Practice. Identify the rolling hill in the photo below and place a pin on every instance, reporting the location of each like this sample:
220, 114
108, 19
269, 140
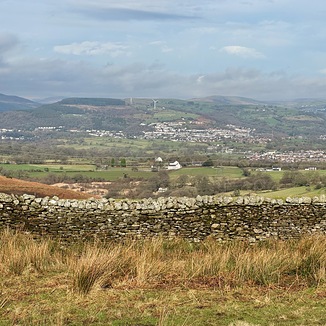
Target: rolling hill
298, 117
10, 102
19, 187
229, 100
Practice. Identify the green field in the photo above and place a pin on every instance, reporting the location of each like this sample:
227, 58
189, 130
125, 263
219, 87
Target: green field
41, 171
106, 142
227, 172
282, 193
277, 175
169, 115
135, 147
111, 174
294, 192
49, 167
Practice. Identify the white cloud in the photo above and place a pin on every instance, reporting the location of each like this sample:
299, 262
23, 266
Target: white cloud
92, 48
242, 51
200, 79
163, 46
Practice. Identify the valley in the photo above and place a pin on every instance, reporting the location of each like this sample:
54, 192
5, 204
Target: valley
82, 141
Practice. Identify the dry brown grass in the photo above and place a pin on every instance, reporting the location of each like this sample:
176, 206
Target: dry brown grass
19, 253
160, 263
20, 187
155, 281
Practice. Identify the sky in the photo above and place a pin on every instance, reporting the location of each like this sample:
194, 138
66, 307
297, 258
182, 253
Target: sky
262, 49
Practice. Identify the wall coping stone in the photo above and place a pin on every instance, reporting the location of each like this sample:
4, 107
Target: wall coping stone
160, 202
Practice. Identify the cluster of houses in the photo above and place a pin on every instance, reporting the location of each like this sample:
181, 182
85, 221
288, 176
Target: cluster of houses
182, 131
289, 157
179, 131
9, 134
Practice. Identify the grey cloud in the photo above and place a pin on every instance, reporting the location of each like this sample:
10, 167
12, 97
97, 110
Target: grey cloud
7, 42
44, 78
124, 14
92, 48
256, 84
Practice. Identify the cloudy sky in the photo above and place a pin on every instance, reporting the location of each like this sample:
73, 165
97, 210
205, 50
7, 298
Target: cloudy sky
264, 49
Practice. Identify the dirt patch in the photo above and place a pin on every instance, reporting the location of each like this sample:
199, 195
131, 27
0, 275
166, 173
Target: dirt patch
92, 188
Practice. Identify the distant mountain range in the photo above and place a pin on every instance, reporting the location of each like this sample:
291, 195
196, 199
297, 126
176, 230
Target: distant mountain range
49, 100
296, 117
11, 102
229, 100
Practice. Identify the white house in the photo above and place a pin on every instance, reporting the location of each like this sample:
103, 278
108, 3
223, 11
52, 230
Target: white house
174, 166
311, 168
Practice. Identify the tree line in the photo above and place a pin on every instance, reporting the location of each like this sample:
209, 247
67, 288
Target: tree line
162, 185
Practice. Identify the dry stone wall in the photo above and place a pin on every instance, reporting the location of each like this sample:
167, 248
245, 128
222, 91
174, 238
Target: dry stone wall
224, 218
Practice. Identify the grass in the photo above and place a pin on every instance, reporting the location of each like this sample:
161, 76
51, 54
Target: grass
284, 193
39, 170
71, 170
226, 171
108, 142
161, 282
49, 167
169, 115
277, 175
296, 192
112, 174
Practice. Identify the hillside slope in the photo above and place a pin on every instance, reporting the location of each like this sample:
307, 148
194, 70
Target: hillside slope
134, 116
11, 103
19, 187
229, 100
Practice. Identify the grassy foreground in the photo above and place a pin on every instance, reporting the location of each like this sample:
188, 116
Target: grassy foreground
162, 282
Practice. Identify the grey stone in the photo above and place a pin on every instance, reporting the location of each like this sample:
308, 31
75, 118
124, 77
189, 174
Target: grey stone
253, 218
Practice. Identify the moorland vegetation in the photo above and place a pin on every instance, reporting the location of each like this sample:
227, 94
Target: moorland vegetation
160, 282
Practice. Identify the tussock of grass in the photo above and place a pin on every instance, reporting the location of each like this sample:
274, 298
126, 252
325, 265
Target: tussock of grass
88, 269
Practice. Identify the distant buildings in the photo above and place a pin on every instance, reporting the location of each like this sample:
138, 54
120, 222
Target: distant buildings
158, 165
311, 168
180, 131
174, 166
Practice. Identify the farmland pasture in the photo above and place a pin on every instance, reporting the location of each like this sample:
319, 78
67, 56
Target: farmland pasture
113, 173
231, 172
56, 173
225, 171
294, 192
